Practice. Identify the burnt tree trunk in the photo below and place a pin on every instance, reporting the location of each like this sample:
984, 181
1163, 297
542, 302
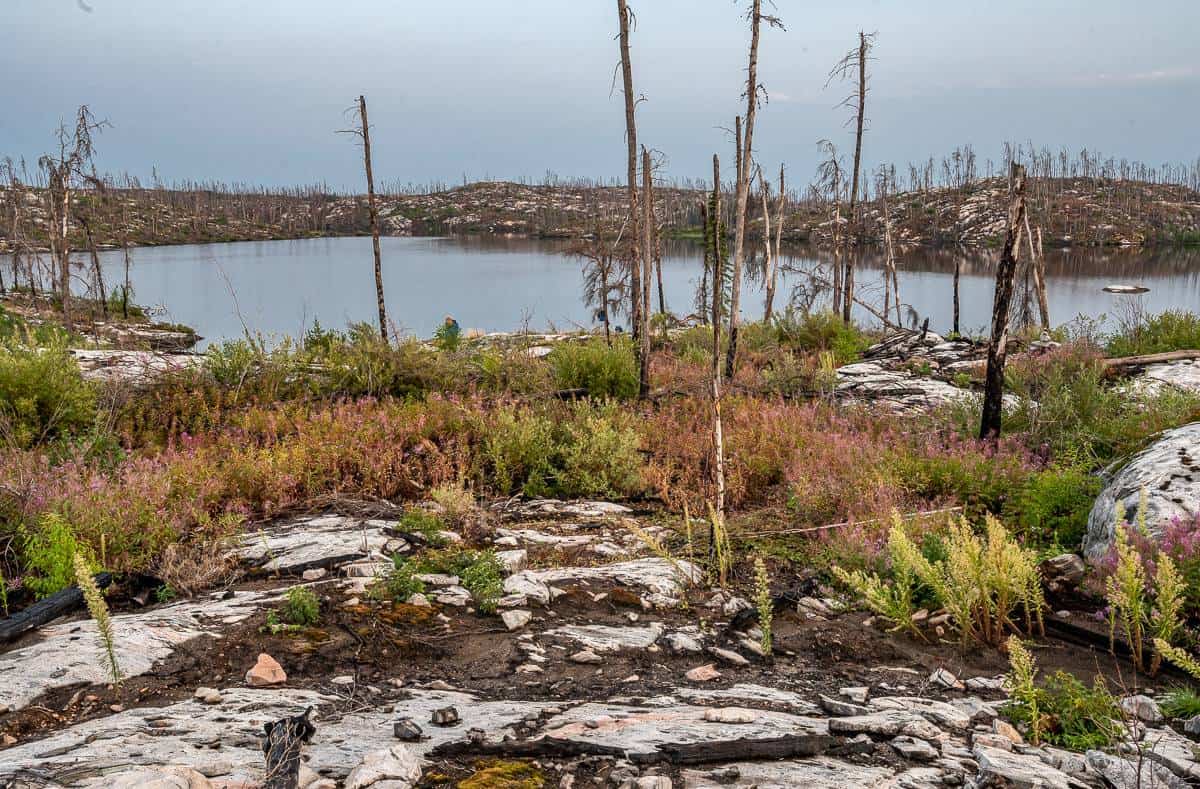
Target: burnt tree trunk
957, 276
863, 47
635, 279
373, 210
1006, 271
96, 270
714, 242
284, 740
647, 245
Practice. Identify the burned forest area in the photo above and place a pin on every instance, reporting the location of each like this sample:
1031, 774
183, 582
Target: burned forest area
798, 530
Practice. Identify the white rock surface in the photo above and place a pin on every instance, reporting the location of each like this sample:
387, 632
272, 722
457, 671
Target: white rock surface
294, 544
605, 638
818, 773
395, 764
67, 653
1169, 470
659, 576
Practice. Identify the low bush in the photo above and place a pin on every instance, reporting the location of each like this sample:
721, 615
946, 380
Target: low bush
819, 331
1051, 508
399, 583
43, 396
480, 573
1063, 711
1173, 330
49, 553
301, 607
600, 370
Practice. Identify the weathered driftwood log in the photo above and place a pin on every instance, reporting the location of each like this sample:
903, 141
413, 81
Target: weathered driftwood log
46, 610
1130, 364
282, 745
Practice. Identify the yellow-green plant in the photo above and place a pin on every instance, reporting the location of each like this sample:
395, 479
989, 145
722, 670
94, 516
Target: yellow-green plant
721, 548
1179, 657
983, 582
1166, 620
96, 606
1125, 591
763, 602
1019, 683
893, 601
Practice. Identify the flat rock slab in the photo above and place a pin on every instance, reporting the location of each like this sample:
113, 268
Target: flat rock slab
309, 542
1169, 471
224, 740
69, 653
816, 773
134, 367
606, 638
747, 694
556, 509
1020, 771
683, 734
658, 576
1182, 375
901, 391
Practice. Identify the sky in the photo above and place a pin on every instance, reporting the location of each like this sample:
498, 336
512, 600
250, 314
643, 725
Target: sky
254, 91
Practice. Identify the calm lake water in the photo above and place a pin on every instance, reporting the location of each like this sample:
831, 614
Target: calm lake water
281, 287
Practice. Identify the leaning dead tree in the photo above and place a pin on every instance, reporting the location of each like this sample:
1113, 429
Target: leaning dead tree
635, 220
745, 152
1006, 271
771, 270
647, 252
364, 135
854, 61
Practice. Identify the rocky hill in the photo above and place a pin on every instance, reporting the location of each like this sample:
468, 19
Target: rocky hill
1074, 211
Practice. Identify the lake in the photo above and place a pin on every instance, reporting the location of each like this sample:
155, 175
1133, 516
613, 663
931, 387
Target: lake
495, 284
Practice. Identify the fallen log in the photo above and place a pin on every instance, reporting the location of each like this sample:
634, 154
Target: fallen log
46, 610
787, 747
1129, 364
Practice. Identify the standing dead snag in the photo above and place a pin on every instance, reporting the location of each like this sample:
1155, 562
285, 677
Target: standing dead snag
75, 153
635, 235
1006, 271
647, 246
829, 179
714, 241
855, 60
745, 152
373, 209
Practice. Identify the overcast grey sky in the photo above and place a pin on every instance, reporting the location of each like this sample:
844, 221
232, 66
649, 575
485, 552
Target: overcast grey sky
254, 90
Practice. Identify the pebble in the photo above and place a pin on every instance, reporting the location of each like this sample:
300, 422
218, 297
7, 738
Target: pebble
729, 656
207, 695
944, 679
438, 684
446, 716
912, 748
729, 715
419, 600
705, 673
407, 730
345, 679
516, 619
1007, 731
856, 695
1143, 708
315, 574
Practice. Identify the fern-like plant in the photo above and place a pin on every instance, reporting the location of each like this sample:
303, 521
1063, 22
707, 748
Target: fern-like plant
1166, 620
763, 602
1180, 657
1019, 683
96, 606
1125, 591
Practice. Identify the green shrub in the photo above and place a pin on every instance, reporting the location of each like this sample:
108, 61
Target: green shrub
1181, 704
400, 582
598, 455
593, 366
423, 522
1070, 714
517, 448
480, 573
301, 607
819, 331
49, 552
43, 396
1052, 506
1173, 330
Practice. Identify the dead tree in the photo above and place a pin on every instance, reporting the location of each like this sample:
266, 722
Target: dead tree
854, 61
364, 134
647, 246
75, 152
957, 276
1006, 271
714, 240
635, 279
1037, 264
774, 256
603, 283
745, 152
829, 179
97, 271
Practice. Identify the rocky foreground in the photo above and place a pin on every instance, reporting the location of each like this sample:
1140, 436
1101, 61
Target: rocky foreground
605, 665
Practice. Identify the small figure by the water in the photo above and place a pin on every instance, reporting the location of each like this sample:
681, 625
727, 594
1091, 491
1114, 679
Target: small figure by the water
448, 334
